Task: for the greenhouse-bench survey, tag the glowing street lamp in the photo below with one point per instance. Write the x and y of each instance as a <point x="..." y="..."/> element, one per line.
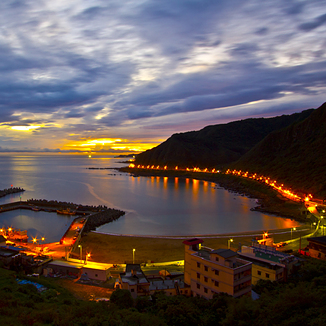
<point x="80" y="252"/>
<point x="229" y="243"/>
<point x="87" y="256"/>
<point x="133" y="255"/>
<point x="323" y="225"/>
<point x="292" y="229"/>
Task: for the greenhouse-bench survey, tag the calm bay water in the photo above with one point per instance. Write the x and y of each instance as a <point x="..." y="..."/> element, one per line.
<point x="153" y="205"/>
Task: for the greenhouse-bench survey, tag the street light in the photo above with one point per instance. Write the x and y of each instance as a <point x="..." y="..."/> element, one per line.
<point x="87" y="256"/>
<point x="229" y="243"/>
<point x="133" y="255"/>
<point x="80" y="252"/>
<point x="323" y="225"/>
<point x="292" y="229"/>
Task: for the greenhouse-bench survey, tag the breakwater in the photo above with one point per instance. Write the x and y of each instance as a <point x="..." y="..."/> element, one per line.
<point x="9" y="191"/>
<point x="96" y="215"/>
<point x="100" y="218"/>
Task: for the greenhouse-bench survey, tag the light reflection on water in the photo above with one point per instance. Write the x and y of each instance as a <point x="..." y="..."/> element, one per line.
<point x="154" y="205"/>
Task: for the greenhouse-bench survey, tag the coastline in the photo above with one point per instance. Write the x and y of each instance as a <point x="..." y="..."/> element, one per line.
<point x="118" y="249"/>
<point x="257" y="233"/>
<point x="269" y="201"/>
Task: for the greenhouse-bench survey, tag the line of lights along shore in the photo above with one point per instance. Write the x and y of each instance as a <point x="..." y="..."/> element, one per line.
<point x="272" y="183"/>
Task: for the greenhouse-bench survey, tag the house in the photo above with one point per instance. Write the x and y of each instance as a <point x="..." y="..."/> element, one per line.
<point x="134" y="280"/>
<point x="209" y="271"/>
<point x="317" y="247"/>
<point x="63" y="268"/>
<point x="268" y="263"/>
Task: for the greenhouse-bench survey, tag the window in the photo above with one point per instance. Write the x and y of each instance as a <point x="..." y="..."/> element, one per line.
<point x="206" y="269"/>
<point x="132" y="290"/>
<point x="217" y="272"/>
<point x="186" y="291"/>
<point x="198" y="286"/>
<point x="198" y="275"/>
<point x="206" y="279"/>
<point x="216" y="283"/>
<point x="267" y="275"/>
<point x="259" y="272"/>
<point x="95" y="275"/>
<point x="198" y="265"/>
<point x="205" y="290"/>
<point x="216" y="258"/>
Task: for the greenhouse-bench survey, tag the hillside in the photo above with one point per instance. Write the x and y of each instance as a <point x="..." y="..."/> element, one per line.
<point x="294" y="156"/>
<point x="216" y="145"/>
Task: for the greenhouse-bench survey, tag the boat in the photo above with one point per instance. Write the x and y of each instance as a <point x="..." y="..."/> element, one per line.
<point x="66" y="212"/>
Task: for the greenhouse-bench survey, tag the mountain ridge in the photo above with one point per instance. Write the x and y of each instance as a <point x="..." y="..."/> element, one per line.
<point x="216" y="145"/>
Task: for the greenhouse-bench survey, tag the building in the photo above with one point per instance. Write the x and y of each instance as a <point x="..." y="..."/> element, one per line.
<point x="268" y="263"/>
<point x="209" y="271"/>
<point x="135" y="281"/>
<point x="317" y="247"/>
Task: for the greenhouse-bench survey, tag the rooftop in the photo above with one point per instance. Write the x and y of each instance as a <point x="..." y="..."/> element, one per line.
<point x="225" y="253"/>
<point x="193" y="241"/>
<point x="321" y="240"/>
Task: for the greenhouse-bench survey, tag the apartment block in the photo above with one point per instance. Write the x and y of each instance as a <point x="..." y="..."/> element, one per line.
<point x="268" y="263"/>
<point x="209" y="271"/>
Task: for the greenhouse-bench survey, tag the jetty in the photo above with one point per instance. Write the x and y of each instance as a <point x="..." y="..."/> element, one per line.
<point x="9" y="191"/>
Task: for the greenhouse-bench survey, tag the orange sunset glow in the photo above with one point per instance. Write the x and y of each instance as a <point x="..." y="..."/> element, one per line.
<point x="109" y="144"/>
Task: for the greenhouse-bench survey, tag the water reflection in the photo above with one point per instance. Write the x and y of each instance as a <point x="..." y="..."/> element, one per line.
<point x="154" y="205"/>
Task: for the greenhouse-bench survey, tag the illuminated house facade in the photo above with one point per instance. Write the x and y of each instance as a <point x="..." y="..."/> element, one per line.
<point x="317" y="247"/>
<point x="135" y="281"/>
<point x="209" y="271"/>
<point x="268" y="263"/>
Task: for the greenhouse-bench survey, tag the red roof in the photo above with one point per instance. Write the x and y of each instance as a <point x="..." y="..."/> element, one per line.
<point x="193" y="241"/>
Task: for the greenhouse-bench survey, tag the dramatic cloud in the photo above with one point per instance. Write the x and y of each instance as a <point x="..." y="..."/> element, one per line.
<point x="79" y="70"/>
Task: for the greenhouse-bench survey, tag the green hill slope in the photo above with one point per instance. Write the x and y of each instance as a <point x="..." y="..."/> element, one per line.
<point x="216" y="145"/>
<point x="294" y="156"/>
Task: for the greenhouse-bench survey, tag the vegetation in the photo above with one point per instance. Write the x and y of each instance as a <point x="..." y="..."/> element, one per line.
<point x="300" y="301"/>
<point x="287" y="148"/>
<point x="293" y="156"/>
<point x="216" y="145"/>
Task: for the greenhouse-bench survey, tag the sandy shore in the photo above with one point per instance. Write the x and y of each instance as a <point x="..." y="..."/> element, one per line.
<point x="119" y="248"/>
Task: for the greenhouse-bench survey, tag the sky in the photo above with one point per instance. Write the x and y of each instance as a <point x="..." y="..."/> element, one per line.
<point x="117" y="76"/>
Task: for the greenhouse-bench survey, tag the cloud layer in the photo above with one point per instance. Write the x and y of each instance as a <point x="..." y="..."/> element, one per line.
<point x="142" y="70"/>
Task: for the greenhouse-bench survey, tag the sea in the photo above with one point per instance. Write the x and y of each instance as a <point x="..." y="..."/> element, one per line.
<point x="157" y="206"/>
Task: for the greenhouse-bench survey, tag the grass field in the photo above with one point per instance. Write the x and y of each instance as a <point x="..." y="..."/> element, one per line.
<point x="119" y="249"/>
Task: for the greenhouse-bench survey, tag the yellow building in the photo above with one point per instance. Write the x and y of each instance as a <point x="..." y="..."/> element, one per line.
<point x="268" y="263"/>
<point x="209" y="271"/>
